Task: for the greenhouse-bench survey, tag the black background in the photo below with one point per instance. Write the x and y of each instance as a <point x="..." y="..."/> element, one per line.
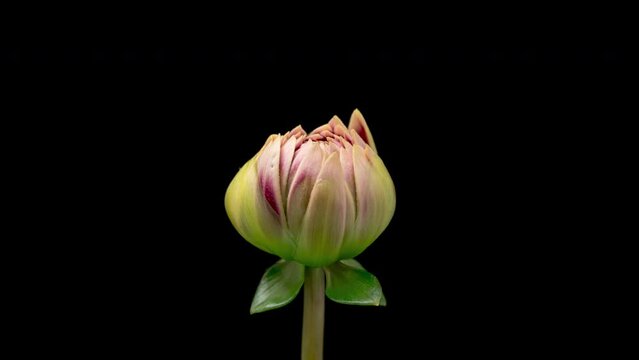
<point x="129" y="165"/>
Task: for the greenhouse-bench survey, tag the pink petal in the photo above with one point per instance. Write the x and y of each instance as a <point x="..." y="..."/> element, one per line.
<point x="357" y="140"/>
<point x="341" y="131"/>
<point x="268" y="173"/>
<point x="304" y="171"/>
<point x="358" y="124"/>
<point x="335" y="122"/>
<point x="295" y="133"/>
<point x="253" y="217"/>
<point x="320" y="129"/>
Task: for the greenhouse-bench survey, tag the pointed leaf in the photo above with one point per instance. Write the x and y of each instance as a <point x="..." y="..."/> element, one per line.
<point x="278" y="287"/>
<point x="348" y="283"/>
<point x="354" y="263"/>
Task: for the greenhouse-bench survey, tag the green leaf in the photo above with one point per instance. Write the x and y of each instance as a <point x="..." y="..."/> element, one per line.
<point x="347" y="282"/>
<point x="353" y="263"/>
<point x="278" y="287"/>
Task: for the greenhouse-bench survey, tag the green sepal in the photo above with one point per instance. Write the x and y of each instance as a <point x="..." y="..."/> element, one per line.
<point x="278" y="287"/>
<point x="347" y="282"/>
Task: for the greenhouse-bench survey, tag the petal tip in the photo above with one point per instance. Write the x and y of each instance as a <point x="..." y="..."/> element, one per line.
<point x="358" y="123"/>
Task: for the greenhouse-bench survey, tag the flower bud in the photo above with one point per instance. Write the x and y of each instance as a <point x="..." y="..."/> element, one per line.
<point x="314" y="198"/>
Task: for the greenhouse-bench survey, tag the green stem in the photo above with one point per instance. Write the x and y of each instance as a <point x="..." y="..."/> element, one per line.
<point x="313" y="327"/>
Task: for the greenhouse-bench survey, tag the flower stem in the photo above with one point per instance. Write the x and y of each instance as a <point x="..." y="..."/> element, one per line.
<point x="313" y="327"/>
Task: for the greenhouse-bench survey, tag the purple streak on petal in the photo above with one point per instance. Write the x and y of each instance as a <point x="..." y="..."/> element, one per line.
<point x="357" y="140"/>
<point x="269" y="194"/>
<point x="268" y="173"/>
<point x="362" y="133"/>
